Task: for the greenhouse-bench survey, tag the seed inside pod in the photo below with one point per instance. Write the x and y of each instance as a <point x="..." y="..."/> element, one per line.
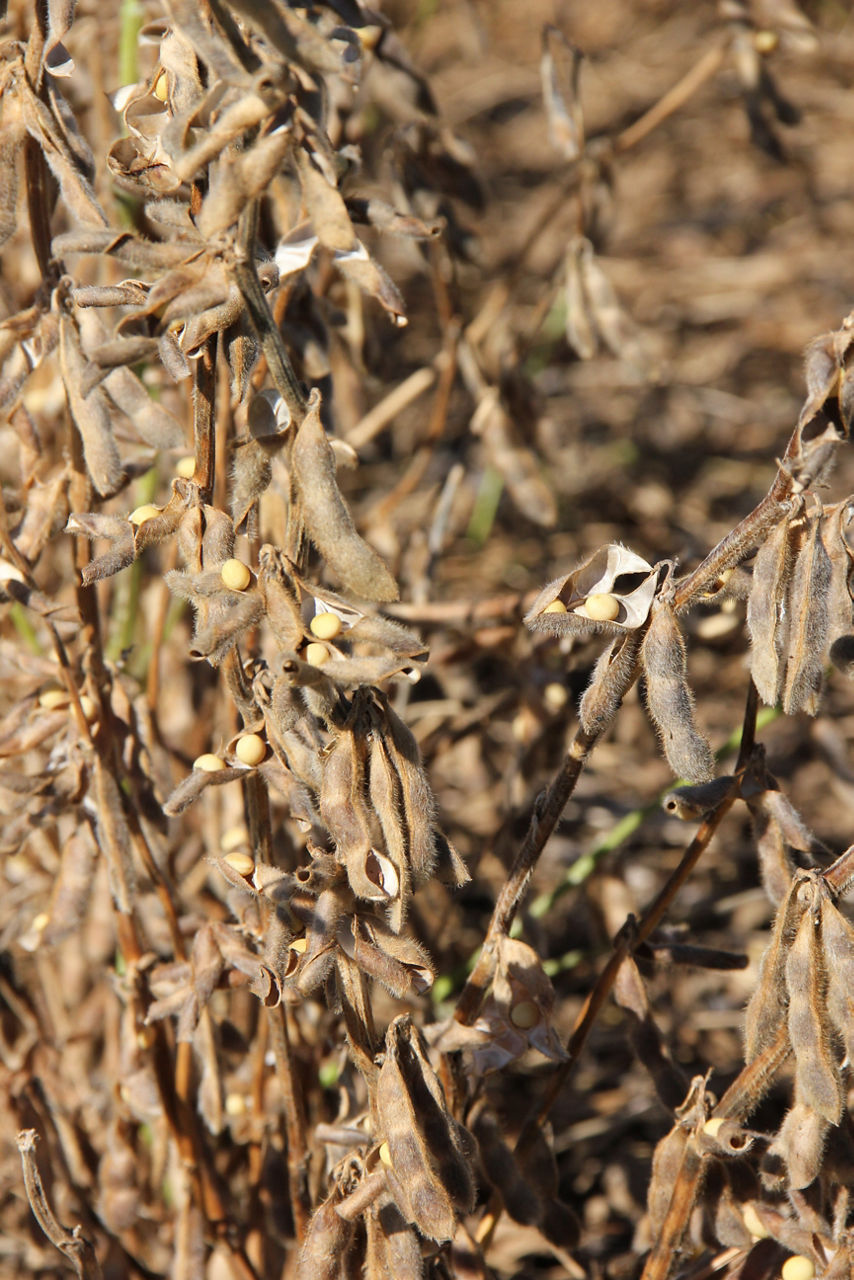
<point x="146" y="512"/>
<point x="235" y="575"/>
<point x="316" y="654"/>
<point x="242" y="863"/>
<point x="524" y="1015"/>
<point x="712" y="1127"/>
<point x="53" y="699"/>
<point x="10" y="572"/>
<point x="602" y="607"/>
<point x="556" y="606"/>
<point x="89" y="707"/>
<point x="209" y="763"/>
<point x="385" y="1155"/>
<point x="250" y="749"/>
<point x="160" y="88"/>
<point x="298" y="945"/>
<point x="233" y="838"/>
<point x="185" y="468"/>
<point x="754" y="1223"/>
<point x="326" y="626"/>
<point x="798" y="1267"/>
<point x="555" y="696"/>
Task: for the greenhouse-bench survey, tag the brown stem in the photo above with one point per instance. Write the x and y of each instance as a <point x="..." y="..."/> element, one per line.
<point x="543" y="822"/>
<point x="295" y="1122"/>
<point x="628" y="940"/>
<point x="72" y="1244"/>
<point x="672" y="100"/>
<point x="204" y="418"/>
<point x="741" y="1098"/>
<point x="246" y="278"/>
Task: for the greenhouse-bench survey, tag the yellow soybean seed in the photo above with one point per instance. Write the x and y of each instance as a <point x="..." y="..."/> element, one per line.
<point x="235" y="575"/>
<point x="146" y="512"/>
<point x="754" y="1223"/>
<point x="555" y="696"/>
<point x="712" y="1127"/>
<point x="251" y="748"/>
<point x="89" y="707"/>
<point x="54" y="699"/>
<point x="185" y="468"/>
<point x="235" y="1105"/>
<point x="385" y="1155"/>
<point x="765" y="41"/>
<point x="798" y="1267"/>
<point x="316" y="654"/>
<point x="524" y="1015"/>
<point x="209" y="763"/>
<point x="242" y="863"/>
<point x="326" y="626"/>
<point x="556" y="606"/>
<point x="234" y="838"/>
<point x="10" y="572"/>
<point x="160" y="88"/>
<point x="298" y="945"/>
<point x="601" y="607"/>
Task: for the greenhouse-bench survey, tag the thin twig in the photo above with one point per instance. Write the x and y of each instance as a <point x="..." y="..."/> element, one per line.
<point x="72" y="1244"/>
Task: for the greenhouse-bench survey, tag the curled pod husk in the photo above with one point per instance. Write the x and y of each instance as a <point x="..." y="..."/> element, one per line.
<point x="610" y="592"/>
<point x="669" y="699"/>
<point x="430" y="1171"/>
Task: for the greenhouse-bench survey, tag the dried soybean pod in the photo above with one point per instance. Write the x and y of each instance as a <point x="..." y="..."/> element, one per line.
<point x="800" y="1144"/>
<point x="808" y="622"/>
<point x="611" y="680"/>
<point x="92" y="415"/>
<point x="419" y="807"/>
<point x="392" y="1247"/>
<point x="767" y="1007"/>
<point x="343" y="818"/>
<point x="669" y="699"/>
<point x="326" y="516"/>
<point x="281" y="605"/>
<point x="776" y="868"/>
<point x="767" y="612"/>
<point x="429" y="1173"/>
<point x="838" y="942"/>
<point x="326" y="1244"/>
<point x="344" y="813"/>
<point x="383" y="791"/>
<point x="816" y="1073"/>
<point x="667" y="1162"/>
